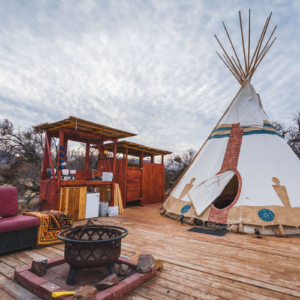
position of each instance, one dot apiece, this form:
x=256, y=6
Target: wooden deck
x=196, y=266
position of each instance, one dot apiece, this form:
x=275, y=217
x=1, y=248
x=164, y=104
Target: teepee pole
x=229, y=69
x=233, y=48
x=234, y=68
x=241, y=25
x=266, y=51
x=224, y=51
x=238, y=67
x=258, y=44
x=267, y=44
x=249, y=45
x=236, y=77
x=258, y=52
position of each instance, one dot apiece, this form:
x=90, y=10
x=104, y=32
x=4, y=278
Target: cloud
x=147, y=67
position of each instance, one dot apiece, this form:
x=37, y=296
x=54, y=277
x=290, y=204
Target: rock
x=123, y=270
x=233, y=228
x=146, y=263
x=108, y=282
x=85, y=293
x=39, y=266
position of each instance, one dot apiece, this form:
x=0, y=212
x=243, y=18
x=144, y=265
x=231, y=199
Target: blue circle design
x=186, y=208
x=266, y=215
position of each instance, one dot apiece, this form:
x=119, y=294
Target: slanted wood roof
x=85, y=126
x=135, y=149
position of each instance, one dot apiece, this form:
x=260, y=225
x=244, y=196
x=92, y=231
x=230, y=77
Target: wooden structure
x=69, y=195
x=196, y=266
x=143, y=182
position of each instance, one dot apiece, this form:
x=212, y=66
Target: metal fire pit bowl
x=99, y=246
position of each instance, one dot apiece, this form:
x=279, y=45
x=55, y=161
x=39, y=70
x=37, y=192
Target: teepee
x=245, y=174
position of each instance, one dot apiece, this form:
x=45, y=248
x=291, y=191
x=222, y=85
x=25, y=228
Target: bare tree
x=22, y=154
x=175, y=165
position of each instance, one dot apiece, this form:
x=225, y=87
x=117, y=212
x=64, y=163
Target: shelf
x=64, y=183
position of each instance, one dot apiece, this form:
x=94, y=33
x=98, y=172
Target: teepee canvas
x=245, y=173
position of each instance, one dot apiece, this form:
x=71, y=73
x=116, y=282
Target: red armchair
x=16, y=231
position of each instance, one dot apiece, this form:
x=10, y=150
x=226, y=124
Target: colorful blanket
x=52, y=222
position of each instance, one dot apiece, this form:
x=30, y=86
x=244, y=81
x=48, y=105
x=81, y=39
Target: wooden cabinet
x=73, y=201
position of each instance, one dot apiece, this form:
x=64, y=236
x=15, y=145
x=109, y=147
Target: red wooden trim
x=126, y=175
x=87, y=157
x=114, y=172
x=133, y=168
x=58, y=172
x=46, y=160
x=84, y=183
x=133, y=199
x=86, y=134
x=50, y=159
x=142, y=167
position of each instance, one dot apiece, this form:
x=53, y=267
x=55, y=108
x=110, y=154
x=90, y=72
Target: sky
x=147, y=67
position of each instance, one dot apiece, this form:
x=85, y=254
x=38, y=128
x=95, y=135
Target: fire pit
x=92, y=246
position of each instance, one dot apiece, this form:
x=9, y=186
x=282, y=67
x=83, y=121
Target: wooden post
x=126, y=175
x=152, y=158
x=163, y=177
x=114, y=173
x=87, y=159
x=46, y=160
x=58, y=171
x=142, y=170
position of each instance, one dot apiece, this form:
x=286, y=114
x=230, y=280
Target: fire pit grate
x=92, y=246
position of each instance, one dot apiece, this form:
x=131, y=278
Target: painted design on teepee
x=281, y=192
x=266, y=215
x=187, y=188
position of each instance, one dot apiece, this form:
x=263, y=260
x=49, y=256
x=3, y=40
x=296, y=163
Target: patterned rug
x=52, y=222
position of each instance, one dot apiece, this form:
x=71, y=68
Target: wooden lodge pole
x=87, y=158
x=126, y=175
x=114, y=173
x=46, y=158
x=58, y=171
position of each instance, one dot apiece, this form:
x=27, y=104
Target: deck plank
x=196, y=266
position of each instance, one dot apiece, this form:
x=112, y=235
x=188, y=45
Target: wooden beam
x=79, y=132
x=142, y=159
x=87, y=157
x=162, y=160
x=46, y=157
x=126, y=176
x=50, y=157
x=114, y=172
x=152, y=158
x=58, y=171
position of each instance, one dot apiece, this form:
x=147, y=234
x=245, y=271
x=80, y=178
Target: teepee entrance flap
x=208, y=191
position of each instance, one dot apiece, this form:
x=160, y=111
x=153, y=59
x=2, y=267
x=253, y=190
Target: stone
x=146, y=263
x=123, y=270
x=107, y=282
x=39, y=266
x=233, y=228
x=85, y=293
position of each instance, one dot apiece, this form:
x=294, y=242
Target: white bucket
x=113, y=211
x=103, y=209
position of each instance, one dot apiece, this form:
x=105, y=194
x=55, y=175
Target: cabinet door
x=82, y=203
x=64, y=200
